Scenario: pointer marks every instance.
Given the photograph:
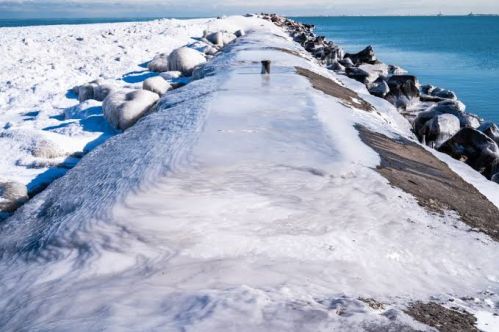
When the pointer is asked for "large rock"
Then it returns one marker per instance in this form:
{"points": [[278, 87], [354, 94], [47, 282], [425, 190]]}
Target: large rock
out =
{"points": [[443, 93], [123, 108], [379, 88], [474, 147], [358, 74], [439, 129], [170, 75], [375, 71], [490, 129], [12, 196], [346, 62], [336, 66], [403, 90], [157, 85], [365, 56], [445, 107], [220, 38], [97, 90], [159, 63], [38, 143], [437, 92], [185, 59]]}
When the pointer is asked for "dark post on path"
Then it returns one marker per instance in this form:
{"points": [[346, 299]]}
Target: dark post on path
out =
{"points": [[266, 67]]}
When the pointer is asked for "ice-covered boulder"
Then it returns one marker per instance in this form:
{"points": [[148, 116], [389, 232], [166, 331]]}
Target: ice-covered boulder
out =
{"points": [[403, 90], [12, 196], [443, 93], [358, 74], [375, 71], [346, 62], [439, 129], [474, 147], [379, 88], [36, 143], [365, 56], [215, 38], [437, 92], [210, 50], [170, 75], [220, 38], [157, 85], [185, 59], [379, 69], [336, 66], [97, 90], [445, 107], [159, 63], [123, 108], [47, 149]]}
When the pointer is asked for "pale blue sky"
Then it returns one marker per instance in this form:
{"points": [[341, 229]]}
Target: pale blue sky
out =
{"points": [[196, 8]]}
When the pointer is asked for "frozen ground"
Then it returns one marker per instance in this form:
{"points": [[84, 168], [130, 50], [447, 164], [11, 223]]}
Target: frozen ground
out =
{"points": [[244, 203]]}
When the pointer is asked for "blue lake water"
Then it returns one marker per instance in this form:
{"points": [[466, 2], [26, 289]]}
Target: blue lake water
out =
{"points": [[457, 53]]}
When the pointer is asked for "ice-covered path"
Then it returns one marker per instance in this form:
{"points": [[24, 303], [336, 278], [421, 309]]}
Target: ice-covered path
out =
{"points": [[254, 205]]}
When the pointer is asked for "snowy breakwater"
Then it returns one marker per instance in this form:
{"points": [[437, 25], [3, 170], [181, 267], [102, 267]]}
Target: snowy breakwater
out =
{"points": [[245, 202], [438, 118]]}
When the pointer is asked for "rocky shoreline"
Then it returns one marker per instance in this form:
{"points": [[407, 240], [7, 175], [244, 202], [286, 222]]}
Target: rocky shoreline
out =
{"points": [[438, 118]]}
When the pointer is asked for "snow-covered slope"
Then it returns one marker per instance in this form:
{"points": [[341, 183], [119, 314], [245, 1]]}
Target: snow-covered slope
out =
{"points": [[245, 202]]}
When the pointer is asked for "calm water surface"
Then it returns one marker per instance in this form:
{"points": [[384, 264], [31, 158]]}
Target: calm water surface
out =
{"points": [[56, 21], [457, 53]]}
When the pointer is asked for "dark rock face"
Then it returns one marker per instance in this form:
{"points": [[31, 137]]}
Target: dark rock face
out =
{"points": [[346, 62], [365, 56], [357, 74], [379, 88], [403, 90], [437, 92], [490, 129], [442, 93], [300, 37], [475, 148], [336, 66]]}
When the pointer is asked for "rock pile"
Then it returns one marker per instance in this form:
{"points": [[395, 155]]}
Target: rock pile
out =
{"points": [[439, 119]]}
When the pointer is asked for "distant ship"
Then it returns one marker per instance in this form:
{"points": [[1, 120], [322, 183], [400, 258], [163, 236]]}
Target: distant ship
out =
{"points": [[440, 14]]}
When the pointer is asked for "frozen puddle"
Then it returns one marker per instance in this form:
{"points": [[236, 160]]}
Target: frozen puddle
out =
{"points": [[270, 217]]}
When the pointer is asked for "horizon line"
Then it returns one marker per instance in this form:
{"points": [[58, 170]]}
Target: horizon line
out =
{"points": [[211, 16]]}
